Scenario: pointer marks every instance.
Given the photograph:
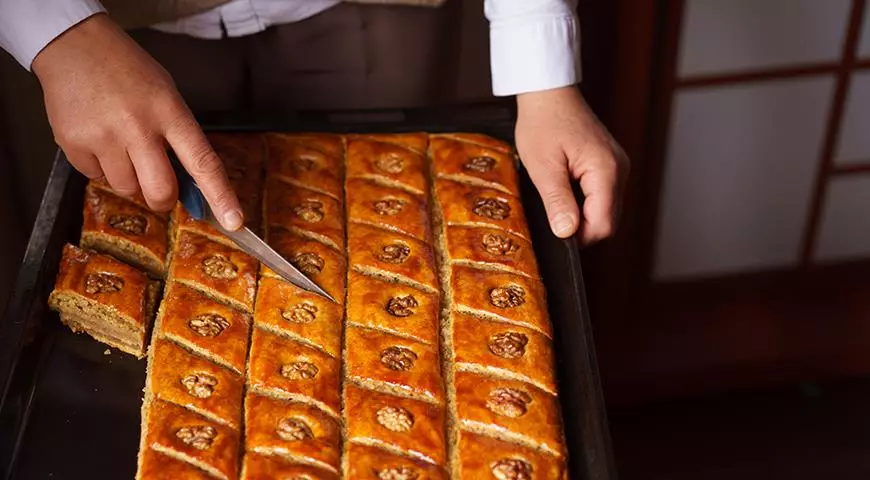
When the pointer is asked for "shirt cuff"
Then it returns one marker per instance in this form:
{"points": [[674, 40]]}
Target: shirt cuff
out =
{"points": [[532, 56], [27, 26]]}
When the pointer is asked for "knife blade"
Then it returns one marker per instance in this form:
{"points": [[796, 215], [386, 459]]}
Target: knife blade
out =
{"points": [[191, 197]]}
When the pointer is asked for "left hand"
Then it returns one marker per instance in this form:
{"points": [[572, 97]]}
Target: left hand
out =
{"points": [[560, 140]]}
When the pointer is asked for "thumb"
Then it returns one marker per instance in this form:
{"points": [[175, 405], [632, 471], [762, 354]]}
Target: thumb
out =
{"points": [[552, 180]]}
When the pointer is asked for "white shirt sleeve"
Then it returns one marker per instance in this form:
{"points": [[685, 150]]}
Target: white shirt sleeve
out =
{"points": [[534, 45], [27, 26]]}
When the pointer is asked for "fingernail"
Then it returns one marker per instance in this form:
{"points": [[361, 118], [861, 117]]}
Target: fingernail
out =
{"points": [[233, 220], [563, 224]]}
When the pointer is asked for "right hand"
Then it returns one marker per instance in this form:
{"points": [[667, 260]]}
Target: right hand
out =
{"points": [[114, 109]]}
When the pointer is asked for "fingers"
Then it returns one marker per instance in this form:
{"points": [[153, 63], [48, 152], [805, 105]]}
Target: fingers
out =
{"points": [[119, 171], [84, 162], [553, 183], [196, 154], [600, 207], [156, 178]]}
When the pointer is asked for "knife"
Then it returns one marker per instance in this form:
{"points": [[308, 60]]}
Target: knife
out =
{"points": [[191, 197]]}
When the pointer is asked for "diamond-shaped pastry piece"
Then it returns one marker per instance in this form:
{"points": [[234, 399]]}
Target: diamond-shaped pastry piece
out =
{"points": [[320, 263], [303, 316], [283, 368], [511, 410], [388, 163], [183, 434], [473, 163], [393, 307], [211, 329], [184, 378], [109, 300], [303, 161], [392, 255], [292, 430], [504, 296], [125, 230], [219, 271], [503, 350], [364, 461], [261, 467], [414, 141], [486, 457], [389, 208], [490, 247], [315, 214], [395, 423], [463, 204], [381, 361]]}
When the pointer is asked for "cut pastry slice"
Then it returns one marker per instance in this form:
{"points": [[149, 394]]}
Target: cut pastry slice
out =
{"points": [[125, 230], [384, 362], [415, 141], [513, 411], [289, 370], [392, 307], [506, 297], [178, 376], [396, 424], [261, 467], [243, 156], [211, 329], [305, 317], [296, 431], [387, 163], [389, 208], [372, 462], [490, 248], [303, 161], [392, 255], [485, 457], [503, 350], [472, 163], [463, 204], [182, 434], [109, 300], [322, 264], [310, 213], [220, 272]]}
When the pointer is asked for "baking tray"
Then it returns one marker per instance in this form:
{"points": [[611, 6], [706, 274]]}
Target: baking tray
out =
{"points": [[69, 408]]}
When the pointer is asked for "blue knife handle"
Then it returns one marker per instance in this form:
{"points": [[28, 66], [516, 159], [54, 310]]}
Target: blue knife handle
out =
{"points": [[188, 192]]}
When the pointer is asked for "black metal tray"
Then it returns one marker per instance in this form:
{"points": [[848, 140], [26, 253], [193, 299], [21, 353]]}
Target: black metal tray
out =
{"points": [[68, 410]]}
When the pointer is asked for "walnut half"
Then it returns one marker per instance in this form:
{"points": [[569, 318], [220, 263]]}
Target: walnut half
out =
{"points": [[397, 473], [103, 283], [388, 206], [390, 163], [310, 211], [304, 312], [402, 306], [481, 164], [394, 253], [293, 429], [199, 437], [512, 469], [508, 402], [396, 419], [130, 224], [398, 358], [510, 296], [492, 208], [498, 244], [208, 324], [308, 263], [199, 385], [299, 371], [219, 267], [510, 345]]}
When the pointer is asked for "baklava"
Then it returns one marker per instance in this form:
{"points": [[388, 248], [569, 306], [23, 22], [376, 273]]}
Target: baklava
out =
{"points": [[392, 164], [105, 298], [301, 161]]}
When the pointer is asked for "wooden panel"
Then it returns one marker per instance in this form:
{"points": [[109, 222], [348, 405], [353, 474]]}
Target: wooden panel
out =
{"points": [[854, 138], [844, 233]]}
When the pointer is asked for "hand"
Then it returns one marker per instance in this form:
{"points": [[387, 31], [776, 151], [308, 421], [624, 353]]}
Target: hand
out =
{"points": [[560, 140], [114, 109]]}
